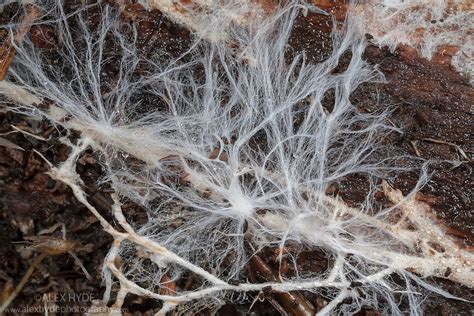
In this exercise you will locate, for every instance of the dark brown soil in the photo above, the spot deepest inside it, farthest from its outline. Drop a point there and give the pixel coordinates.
(432, 105)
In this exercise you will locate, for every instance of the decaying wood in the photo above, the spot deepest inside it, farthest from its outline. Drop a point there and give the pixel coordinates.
(7, 49)
(293, 302)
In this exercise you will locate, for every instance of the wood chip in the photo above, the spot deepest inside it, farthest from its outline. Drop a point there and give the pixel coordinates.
(7, 51)
(6, 143)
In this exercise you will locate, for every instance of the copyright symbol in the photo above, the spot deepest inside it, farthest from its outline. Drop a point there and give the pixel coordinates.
(37, 297)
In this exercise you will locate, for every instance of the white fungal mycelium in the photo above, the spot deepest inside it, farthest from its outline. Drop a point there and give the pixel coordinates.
(234, 153)
(430, 26)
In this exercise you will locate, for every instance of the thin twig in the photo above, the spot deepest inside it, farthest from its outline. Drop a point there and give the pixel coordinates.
(22, 283)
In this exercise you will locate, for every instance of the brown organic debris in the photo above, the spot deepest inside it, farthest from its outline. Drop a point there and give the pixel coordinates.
(7, 50)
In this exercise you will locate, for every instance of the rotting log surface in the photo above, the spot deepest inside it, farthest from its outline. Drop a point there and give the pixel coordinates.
(433, 106)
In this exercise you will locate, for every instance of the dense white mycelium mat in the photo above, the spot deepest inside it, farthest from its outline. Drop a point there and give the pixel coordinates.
(239, 152)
